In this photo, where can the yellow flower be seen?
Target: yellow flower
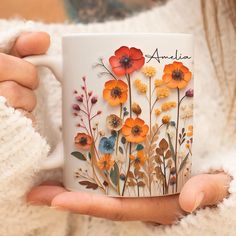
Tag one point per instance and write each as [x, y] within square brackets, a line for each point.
[157, 112]
[190, 127]
[190, 131]
[158, 82]
[168, 105]
[137, 82]
[141, 87]
[149, 71]
[162, 92]
[165, 119]
[187, 145]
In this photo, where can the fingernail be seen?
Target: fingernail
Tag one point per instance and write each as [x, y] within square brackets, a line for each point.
[198, 200]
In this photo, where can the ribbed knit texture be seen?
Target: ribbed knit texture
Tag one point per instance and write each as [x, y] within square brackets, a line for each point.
[22, 147]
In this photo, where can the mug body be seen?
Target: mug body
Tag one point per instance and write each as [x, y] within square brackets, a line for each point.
[127, 113]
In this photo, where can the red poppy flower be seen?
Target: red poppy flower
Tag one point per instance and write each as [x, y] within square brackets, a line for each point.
[126, 60]
[83, 141]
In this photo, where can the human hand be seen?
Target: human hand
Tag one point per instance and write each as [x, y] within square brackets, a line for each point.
[201, 190]
[18, 78]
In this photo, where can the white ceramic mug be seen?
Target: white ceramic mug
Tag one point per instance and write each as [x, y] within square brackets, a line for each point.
[127, 112]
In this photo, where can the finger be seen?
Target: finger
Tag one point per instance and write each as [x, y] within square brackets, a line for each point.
[163, 210]
[18, 96]
[42, 195]
[18, 70]
[204, 190]
[51, 183]
[31, 44]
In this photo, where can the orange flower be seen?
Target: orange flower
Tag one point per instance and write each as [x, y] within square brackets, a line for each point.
[106, 163]
[135, 130]
[190, 131]
[166, 119]
[126, 60]
[139, 160]
[115, 92]
[176, 75]
[83, 141]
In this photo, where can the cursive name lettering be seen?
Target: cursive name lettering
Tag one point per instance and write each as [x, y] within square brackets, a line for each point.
[156, 56]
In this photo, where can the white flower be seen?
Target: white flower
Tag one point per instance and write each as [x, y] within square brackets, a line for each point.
[186, 111]
[120, 158]
[181, 155]
[171, 131]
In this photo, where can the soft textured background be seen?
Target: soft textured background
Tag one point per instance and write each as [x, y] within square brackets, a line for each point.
[54, 11]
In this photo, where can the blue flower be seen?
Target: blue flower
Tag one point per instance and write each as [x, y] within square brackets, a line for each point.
[106, 145]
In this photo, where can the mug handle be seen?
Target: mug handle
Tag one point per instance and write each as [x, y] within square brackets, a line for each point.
[54, 63]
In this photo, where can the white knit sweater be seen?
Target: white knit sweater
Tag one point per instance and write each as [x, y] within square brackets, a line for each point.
[21, 147]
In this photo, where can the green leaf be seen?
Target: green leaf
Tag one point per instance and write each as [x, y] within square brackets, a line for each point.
[183, 163]
[171, 148]
[114, 174]
[139, 147]
[89, 155]
[79, 156]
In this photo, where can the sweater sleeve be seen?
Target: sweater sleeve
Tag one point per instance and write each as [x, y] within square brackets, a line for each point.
[21, 150]
[21, 147]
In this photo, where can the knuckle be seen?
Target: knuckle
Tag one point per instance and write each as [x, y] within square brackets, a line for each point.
[10, 87]
[11, 90]
[33, 76]
[216, 193]
[33, 102]
[2, 60]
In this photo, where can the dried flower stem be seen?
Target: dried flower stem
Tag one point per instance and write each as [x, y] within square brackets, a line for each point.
[108, 71]
[90, 130]
[92, 135]
[176, 137]
[154, 103]
[130, 144]
[150, 104]
[150, 131]
[118, 135]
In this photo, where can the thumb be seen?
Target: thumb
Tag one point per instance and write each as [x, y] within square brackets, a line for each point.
[204, 190]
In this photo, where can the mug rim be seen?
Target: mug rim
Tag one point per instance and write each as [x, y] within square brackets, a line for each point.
[97, 34]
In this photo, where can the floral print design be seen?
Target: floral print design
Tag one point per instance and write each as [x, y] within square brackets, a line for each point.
[135, 130]
[176, 75]
[115, 92]
[145, 147]
[126, 61]
[83, 141]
